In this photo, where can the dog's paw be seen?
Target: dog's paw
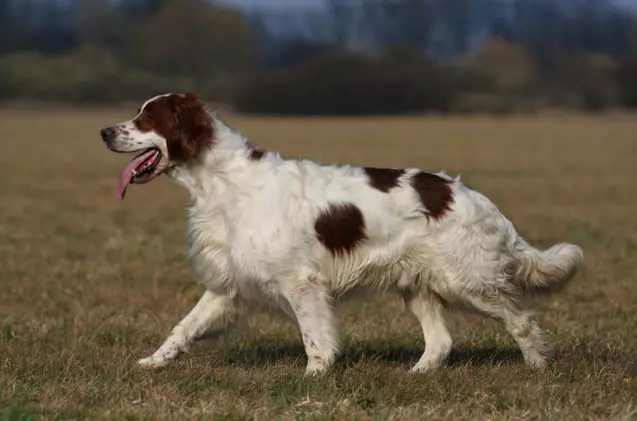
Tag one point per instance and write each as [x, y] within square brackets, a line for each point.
[153, 363]
[424, 367]
[538, 363]
[314, 372]
[316, 367]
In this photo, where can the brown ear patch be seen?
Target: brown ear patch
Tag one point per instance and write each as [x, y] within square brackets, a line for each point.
[383, 179]
[182, 120]
[192, 128]
[340, 228]
[435, 193]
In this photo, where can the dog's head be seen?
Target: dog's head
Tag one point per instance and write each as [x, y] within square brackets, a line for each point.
[169, 130]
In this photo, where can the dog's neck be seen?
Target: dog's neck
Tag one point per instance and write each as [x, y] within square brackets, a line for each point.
[231, 165]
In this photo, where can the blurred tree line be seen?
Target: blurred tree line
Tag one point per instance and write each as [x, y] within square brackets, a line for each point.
[349, 57]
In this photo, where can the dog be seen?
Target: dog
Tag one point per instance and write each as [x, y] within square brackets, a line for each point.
[300, 236]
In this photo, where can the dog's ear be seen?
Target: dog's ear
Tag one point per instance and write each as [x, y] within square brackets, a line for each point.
[192, 128]
[191, 97]
[178, 101]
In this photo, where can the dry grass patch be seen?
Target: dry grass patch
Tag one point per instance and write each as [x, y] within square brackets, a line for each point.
[91, 284]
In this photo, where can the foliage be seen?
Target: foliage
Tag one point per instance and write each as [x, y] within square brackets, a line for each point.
[349, 84]
[85, 75]
[212, 42]
[626, 77]
[358, 57]
[587, 81]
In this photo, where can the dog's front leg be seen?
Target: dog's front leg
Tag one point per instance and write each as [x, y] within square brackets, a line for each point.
[312, 307]
[212, 310]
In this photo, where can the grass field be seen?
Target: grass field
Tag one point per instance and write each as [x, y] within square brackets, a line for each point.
[90, 284]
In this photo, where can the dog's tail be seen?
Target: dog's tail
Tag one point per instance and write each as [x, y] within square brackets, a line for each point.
[545, 272]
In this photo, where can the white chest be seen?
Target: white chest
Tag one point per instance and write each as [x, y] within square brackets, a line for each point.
[207, 251]
[226, 262]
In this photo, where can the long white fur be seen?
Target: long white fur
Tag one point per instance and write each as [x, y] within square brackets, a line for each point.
[251, 239]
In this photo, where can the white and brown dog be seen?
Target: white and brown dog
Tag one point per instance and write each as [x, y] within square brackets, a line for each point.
[298, 236]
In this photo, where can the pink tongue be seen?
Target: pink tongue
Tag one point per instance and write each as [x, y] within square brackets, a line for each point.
[127, 174]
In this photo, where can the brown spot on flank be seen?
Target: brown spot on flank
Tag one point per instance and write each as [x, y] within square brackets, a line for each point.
[383, 179]
[435, 193]
[340, 228]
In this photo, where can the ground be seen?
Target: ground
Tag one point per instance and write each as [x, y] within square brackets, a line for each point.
[90, 284]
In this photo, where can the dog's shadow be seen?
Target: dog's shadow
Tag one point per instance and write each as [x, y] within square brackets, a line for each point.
[267, 353]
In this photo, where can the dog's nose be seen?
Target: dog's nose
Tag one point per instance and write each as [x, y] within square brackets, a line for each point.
[106, 133]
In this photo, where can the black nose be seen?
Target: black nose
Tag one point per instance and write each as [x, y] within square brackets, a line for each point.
[105, 133]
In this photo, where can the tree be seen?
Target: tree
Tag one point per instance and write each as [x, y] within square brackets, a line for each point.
[193, 40]
[512, 68]
[141, 10]
[586, 80]
[7, 27]
[626, 74]
[413, 20]
[102, 25]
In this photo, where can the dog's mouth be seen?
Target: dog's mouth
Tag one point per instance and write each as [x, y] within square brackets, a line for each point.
[139, 170]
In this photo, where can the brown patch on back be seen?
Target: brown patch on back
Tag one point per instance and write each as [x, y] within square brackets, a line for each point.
[182, 120]
[256, 154]
[383, 179]
[435, 193]
[340, 228]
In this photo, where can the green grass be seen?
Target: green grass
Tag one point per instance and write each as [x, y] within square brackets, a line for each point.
[91, 284]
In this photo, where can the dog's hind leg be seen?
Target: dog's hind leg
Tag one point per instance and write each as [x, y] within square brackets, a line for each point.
[530, 338]
[520, 323]
[212, 310]
[428, 308]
